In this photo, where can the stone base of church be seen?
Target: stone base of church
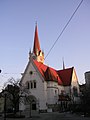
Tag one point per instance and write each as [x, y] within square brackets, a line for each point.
[52, 108]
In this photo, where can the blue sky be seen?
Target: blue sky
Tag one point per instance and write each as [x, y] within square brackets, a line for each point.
[17, 26]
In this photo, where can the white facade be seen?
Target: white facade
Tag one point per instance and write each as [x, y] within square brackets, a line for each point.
[39, 92]
[45, 92]
[42, 83]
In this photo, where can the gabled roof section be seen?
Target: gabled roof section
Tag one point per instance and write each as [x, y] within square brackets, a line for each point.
[47, 72]
[66, 76]
[36, 46]
[63, 77]
[50, 74]
[41, 67]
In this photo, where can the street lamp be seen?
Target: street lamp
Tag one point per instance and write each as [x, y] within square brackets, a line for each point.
[4, 94]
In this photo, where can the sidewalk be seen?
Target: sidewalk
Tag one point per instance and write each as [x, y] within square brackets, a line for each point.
[52, 116]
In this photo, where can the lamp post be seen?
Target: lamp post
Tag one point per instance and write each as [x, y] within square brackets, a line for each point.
[38, 106]
[30, 109]
[5, 95]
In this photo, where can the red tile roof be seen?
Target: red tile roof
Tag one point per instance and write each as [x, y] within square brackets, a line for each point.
[51, 74]
[40, 66]
[66, 75]
[63, 77]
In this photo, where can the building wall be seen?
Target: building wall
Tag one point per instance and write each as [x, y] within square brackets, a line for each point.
[1, 104]
[67, 90]
[61, 88]
[87, 78]
[39, 91]
[75, 88]
[52, 92]
[45, 92]
[74, 82]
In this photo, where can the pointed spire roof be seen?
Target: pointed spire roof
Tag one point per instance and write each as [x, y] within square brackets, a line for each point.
[36, 46]
[63, 64]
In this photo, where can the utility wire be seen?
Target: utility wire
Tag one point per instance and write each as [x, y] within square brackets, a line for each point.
[60, 33]
[64, 28]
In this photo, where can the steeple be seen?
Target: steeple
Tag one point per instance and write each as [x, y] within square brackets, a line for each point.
[38, 54]
[63, 64]
[36, 46]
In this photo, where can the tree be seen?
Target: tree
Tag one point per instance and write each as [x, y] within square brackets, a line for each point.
[26, 97]
[16, 92]
[12, 88]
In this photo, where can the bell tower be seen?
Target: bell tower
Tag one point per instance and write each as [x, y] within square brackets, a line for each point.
[38, 54]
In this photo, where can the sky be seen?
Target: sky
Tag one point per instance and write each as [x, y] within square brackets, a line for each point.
[17, 27]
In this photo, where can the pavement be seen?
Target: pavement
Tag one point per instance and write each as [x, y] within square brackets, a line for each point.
[52, 116]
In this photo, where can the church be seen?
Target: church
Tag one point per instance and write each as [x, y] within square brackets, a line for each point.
[46, 86]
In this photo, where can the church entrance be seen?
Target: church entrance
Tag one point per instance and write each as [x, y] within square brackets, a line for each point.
[31, 102]
[31, 105]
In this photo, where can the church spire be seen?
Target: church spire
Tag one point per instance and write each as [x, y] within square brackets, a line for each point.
[36, 47]
[63, 64]
[38, 53]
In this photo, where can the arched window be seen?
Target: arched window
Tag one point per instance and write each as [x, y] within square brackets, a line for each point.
[34, 84]
[31, 85]
[27, 85]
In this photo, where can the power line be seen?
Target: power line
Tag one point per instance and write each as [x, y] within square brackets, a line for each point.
[11, 73]
[60, 33]
[64, 28]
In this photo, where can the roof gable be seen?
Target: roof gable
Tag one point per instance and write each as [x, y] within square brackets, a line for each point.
[40, 66]
[66, 76]
[47, 72]
[50, 74]
[63, 77]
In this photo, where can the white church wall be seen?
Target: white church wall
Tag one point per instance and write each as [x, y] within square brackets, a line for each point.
[60, 88]
[52, 92]
[75, 88]
[67, 90]
[74, 82]
[39, 91]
